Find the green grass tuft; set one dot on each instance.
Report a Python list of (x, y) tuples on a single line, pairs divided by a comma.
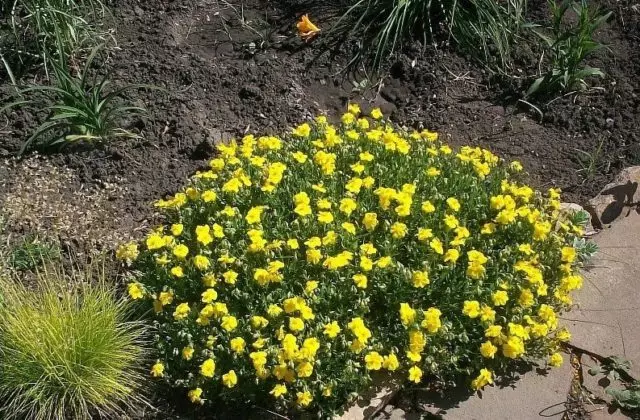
[(486, 29), (67, 352)]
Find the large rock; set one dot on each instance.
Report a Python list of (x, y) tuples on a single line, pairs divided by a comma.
[(618, 198)]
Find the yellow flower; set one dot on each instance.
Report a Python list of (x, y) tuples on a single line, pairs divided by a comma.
[(431, 321), (424, 234), (201, 262), (451, 256), (488, 229), (384, 262), (310, 286), (568, 254), (332, 329), (157, 370), (513, 348), (415, 374), (154, 242), (391, 362), (230, 277), (135, 290), (187, 353), (349, 227), (209, 196), (376, 114), (471, 308), (181, 311), (488, 350), (254, 214), (296, 324), (353, 109), (181, 251), (450, 221), (304, 370), (299, 157), (526, 298), (407, 314), (360, 280), (230, 379), (303, 130), (348, 205), (453, 204), (177, 272), (555, 360), (278, 390), (420, 279), (398, 230), (325, 217), (237, 344), (203, 235), (373, 360), (229, 323), (348, 118), (303, 399), (500, 298), (208, 368), (370, 221), (128, 252), (563, 335), (209, 296), (484, 378), (195, 395), (436, 245), (433, 172)]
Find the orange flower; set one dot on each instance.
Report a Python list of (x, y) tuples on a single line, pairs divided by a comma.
[(306, 29)]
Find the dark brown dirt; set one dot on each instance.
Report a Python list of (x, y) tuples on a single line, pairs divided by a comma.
[(231, 67)]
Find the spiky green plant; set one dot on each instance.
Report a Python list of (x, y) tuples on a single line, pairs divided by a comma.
[(67, 351), (84, 108), (484, 28), (36, 28)]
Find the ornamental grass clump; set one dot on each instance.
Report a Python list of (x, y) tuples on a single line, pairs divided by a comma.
[(67, 353), (295, 267)]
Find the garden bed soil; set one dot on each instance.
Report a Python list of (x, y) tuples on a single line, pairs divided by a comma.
[(229, 68)]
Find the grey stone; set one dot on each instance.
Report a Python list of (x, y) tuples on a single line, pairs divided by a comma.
[(616, 198), (138, 11)]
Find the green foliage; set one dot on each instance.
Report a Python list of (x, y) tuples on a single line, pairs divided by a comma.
[(296, 267), (484, 28), (35, 29), (84, 108), (67, 352), (616, 369), (32, 252), (568, 45)]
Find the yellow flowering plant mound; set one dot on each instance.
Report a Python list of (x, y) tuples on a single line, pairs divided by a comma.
[(291, 270)]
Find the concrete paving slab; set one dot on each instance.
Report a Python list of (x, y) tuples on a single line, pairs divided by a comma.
[(533, 396), (605, 317)]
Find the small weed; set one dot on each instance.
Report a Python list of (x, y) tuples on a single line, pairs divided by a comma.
[(567, 46), (591, 162), (617, 369), (32, 253)]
